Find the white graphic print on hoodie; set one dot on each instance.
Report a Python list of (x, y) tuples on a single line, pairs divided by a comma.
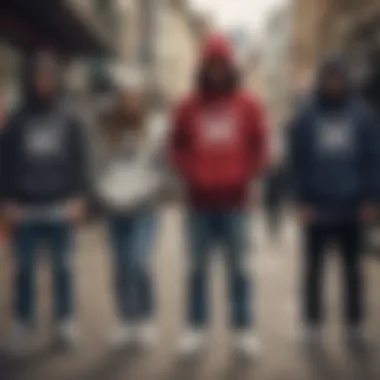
[(135, 174)]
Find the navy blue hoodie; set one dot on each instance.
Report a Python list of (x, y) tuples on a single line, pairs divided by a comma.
[(334, 151), (42, 155)]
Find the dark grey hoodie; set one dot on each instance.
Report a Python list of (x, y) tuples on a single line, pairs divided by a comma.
[(334, 151)]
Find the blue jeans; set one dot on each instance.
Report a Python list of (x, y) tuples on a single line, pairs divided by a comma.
[(229, 229), (131, 241), (27, 239)]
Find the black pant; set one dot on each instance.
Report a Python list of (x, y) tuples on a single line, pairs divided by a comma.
[(274, 202), (348, 237)]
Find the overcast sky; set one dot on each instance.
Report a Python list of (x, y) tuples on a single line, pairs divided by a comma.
[(250, 14)]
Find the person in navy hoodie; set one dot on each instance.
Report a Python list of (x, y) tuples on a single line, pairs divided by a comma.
[(334, 164), (43, 183)]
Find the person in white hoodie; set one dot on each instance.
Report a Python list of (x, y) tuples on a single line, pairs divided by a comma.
[(130, 179)]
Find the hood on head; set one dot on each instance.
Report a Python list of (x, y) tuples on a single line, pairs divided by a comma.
[(34, 62), (333, 64), (216, 47)]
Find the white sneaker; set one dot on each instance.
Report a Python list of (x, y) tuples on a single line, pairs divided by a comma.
[(247, 344), (19, 339), (192, 342), (121, 336), (358, 339), (311, 336), (68, 334), (146, 335)]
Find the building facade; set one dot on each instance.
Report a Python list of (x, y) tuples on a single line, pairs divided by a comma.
[(181, 32), (69, 29), (158, 40), (321, 26), (268, 75)]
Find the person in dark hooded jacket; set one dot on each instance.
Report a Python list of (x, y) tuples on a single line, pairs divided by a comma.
[(334, 165), (42, 179), (218, 145)]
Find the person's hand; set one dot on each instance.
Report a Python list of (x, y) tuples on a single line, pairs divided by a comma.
[(367, 213), (76, 210), (306, 214), (11, 212)]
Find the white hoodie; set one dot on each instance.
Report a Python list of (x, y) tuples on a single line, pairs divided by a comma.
[(135, 174)]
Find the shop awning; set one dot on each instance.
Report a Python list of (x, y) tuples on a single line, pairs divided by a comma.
[(54, 24)]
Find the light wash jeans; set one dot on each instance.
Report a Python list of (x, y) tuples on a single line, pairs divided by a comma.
[(228, 228), (27, 238), (132, 240)]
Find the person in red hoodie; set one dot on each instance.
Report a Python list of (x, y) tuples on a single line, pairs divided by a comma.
[(218, 147)]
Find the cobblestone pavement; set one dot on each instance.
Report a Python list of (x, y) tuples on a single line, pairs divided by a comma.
[(276, 268)]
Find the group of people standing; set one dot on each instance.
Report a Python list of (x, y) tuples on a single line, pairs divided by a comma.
[(217, 146)]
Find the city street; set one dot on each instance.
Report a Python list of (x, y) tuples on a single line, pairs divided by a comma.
[(127, 102), (277, 275)]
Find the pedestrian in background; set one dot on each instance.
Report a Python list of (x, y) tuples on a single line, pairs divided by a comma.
[(218, 147), (43, 183), (335, 164), (372, 97), (275, 191), (3, 224), (130, 181)]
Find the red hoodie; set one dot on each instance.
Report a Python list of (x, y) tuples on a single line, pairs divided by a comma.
[(218, 142)]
